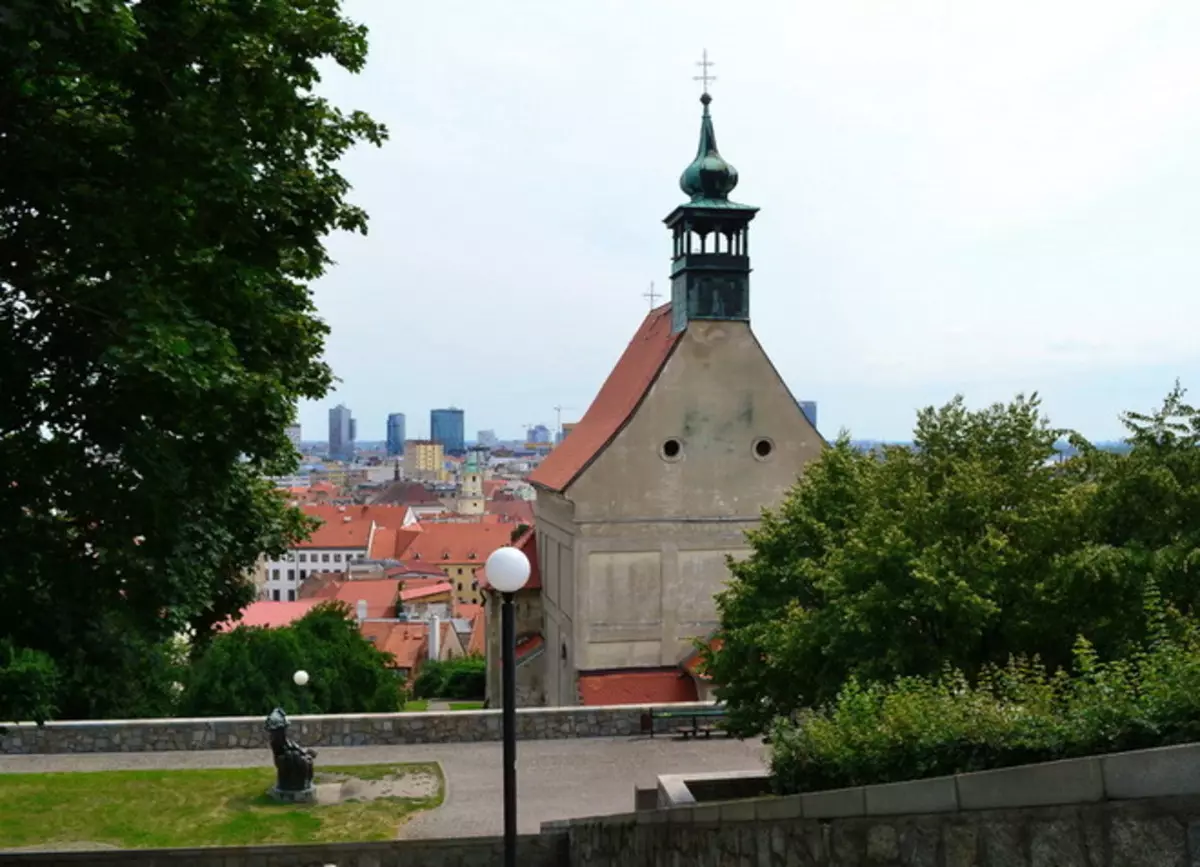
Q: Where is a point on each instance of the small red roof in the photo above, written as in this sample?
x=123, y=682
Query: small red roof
x=528, y=645
x=380, y=595
x=408, y=643
x=461, y=544
x=527, y=543
x=410, y=593
x=340, y=534
x=513, y=511
x=270, y=614
x=477, y=643
x=616, y=402
x=636, y=686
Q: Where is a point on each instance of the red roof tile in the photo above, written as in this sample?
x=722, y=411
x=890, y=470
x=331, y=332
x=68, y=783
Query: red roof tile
x=636, y=686
x=270, y=614
x=423, y=591
x=477, y=643
x=527, y=542
x=514, y=511
x=407, y=642
x=528, y=645
x=460, y=544
x=344, y=534
x=620, y=395
x=380, y=595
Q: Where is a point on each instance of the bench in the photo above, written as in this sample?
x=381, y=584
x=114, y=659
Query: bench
x=693, y=721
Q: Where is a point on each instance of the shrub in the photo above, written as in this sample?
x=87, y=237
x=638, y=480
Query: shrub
x=464, y=677
x=919, y=727
x=248, y=671
x=29, y=680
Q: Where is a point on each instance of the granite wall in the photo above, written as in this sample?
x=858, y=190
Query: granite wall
x=104, y=736
x=1163, y=833
x=532, y=851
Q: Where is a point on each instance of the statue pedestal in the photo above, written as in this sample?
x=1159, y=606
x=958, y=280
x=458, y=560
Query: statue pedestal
x=294, y=796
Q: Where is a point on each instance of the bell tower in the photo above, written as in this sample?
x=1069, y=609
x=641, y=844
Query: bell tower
x=710, y=263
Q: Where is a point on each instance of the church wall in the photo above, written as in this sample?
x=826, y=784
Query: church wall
x=556, y=540
x=717, y=394
x=530, y=676
x=653, y=533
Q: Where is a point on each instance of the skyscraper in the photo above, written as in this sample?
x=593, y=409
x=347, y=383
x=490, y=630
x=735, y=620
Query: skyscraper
x=446, y=427
x=341, y=432
x=809, y=408
x=395, y=433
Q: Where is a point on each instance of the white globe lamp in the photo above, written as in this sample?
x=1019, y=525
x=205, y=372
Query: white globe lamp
x=507, y=569
x=300, y=677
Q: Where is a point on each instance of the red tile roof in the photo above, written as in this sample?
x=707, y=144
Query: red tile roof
x=527, y=542
x=616, y=402
x=514, y=511
x=636, y=686
x=477, y=643
x=460, y=544
x=383, y=515
x=407, y=642
x=339, y=534
x=528, y=645
x=270, y=614
x=466, y=610
x=423, y=591
x=380, y=595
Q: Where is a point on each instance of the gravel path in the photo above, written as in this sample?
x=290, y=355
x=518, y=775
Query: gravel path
x=556, y=779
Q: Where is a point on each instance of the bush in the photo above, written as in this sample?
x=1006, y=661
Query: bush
x=464, y=677
x=249, y=670
x=919, y=727
x=29, y=680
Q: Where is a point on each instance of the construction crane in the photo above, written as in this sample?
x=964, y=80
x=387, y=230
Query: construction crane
x=558, y=411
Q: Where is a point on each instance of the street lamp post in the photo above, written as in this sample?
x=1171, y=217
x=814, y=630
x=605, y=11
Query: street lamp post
x=507, y=570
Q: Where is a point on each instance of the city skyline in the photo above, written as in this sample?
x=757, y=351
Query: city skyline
x=922, y=233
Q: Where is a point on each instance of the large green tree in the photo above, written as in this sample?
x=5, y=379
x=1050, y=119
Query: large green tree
x=974, y=544
x=167, y=177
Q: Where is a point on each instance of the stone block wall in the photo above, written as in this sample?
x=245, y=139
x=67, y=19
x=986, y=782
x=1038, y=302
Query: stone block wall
x=532, y=851
x=122, y=736
x=1142, y=833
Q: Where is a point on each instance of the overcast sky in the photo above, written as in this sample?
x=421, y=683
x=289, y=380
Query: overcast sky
x=956, y=197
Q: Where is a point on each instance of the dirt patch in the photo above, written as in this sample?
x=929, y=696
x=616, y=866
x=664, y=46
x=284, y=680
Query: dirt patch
x=339, y=788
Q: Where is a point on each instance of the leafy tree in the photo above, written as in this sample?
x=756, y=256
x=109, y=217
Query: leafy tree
x=464, y=677
x=169, y=177
x=972, y=546
x=29, y=682
x=249, y=670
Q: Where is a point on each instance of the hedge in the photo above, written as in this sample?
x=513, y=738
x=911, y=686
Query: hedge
x=918, y=727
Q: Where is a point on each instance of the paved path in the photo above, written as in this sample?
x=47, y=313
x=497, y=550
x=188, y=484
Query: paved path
x=558, y=779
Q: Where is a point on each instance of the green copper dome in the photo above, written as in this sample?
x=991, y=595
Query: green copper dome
x=709, y=176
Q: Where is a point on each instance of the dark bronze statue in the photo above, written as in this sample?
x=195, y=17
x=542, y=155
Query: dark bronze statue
x=293, y=763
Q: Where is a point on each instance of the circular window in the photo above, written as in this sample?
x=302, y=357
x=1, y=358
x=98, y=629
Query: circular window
x=672, y=449
x=763, y=448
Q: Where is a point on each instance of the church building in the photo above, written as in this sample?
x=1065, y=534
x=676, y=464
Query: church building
x=693, y=433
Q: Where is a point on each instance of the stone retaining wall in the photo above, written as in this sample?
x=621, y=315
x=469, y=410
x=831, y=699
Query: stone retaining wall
x=1134, y=809
x=123, y=736
x=532, y=851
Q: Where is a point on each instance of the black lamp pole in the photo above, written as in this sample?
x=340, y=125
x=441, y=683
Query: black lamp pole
x=508, y=644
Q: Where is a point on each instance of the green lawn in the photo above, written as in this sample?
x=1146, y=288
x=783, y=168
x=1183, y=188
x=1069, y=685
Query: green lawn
x=417, y=704
x=228, y=807
x=466, y=705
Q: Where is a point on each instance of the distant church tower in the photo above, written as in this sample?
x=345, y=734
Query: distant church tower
x=692, y=435
x=470, y=485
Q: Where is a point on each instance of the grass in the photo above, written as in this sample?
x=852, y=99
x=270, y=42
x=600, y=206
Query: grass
x=417, y=704
x=227, y=807
x=466, y=705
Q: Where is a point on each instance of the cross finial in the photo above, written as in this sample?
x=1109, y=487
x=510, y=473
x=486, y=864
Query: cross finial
x=704, y=77
x=652, y=295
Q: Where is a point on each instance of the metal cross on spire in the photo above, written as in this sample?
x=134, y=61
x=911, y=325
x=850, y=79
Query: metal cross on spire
x=704, y=77
x=652, y=295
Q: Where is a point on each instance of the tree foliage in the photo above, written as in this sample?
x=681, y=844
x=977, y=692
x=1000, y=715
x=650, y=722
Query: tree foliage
x=250, y=670
x=464, y=677
x=168, y=178
x=972, y=546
